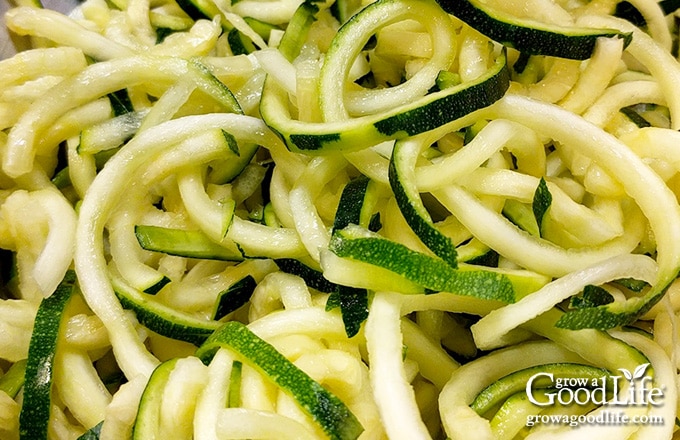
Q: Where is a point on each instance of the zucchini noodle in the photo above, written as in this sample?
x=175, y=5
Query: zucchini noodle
x=340, y=219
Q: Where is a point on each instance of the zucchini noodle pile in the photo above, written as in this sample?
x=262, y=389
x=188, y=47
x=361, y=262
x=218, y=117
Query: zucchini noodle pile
x=340, y=219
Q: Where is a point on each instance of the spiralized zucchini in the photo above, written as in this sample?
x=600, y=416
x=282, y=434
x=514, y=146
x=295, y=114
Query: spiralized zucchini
x=372, y=219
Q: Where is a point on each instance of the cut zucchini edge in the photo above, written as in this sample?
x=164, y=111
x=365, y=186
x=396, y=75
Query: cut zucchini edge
x=147, y=421
x=13, y=380
x=327, y=410
x=528, y=36
x=297, y=30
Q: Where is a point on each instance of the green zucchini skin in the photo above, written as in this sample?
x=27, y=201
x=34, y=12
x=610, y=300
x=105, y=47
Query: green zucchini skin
x=195, y=9
x=298, y=30
x=184, y=243
x=432, y=274
x=425, y=114
x=528, y=37
x=234, y=297
x=505, y=387
x=313, y=278
x=148, y=415
x=353, y=302
x=160, y=318
x=414, y=211
x=446, y=107
x=351, y=202
x=13, y=380
x=35, y=410
x=171, y=326
x=92, y=433
x=326, y=409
